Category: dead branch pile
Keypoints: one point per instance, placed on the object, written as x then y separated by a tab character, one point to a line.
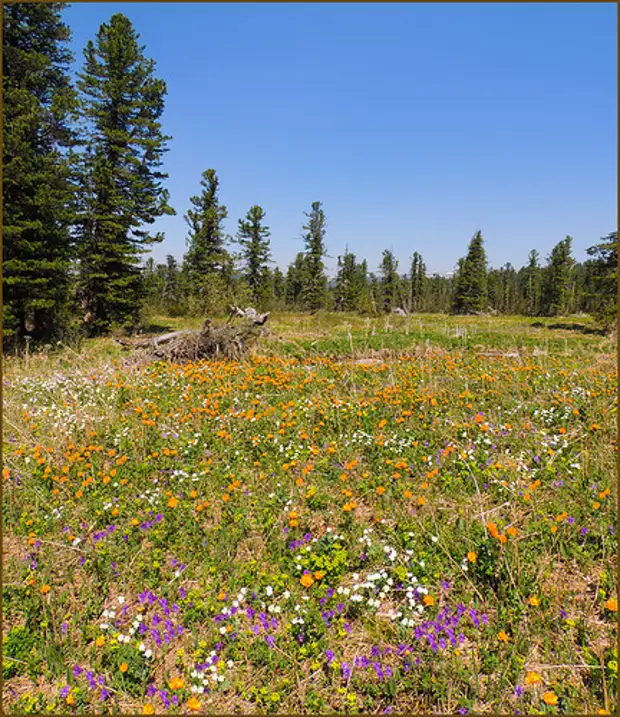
210	342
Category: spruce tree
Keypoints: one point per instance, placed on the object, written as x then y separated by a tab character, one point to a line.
315	281
347	289
389	280
207	262
417	281
171	294
122	191
253	237
531	285
556	279
295	279
604	279
470	293
38	104
279	285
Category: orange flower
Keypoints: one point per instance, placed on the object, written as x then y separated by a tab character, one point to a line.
100	641
492	528
503	636
511	531
612	604
173	502
532	678
45	589
534	601
421	500
193	704
472	557
70	699
408	494
176	683
123	667
319	575
550	698
306	580
148	709
429	600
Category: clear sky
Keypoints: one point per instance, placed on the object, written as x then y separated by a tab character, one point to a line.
414	124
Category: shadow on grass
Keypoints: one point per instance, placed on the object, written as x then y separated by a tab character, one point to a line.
581	328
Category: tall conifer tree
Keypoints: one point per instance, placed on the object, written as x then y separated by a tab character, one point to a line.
556	279
207	262
470	293
315	281
122	190
38	103
253	236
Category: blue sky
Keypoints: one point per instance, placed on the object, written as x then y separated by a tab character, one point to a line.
414	124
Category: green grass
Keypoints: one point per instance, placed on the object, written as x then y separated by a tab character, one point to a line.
452	472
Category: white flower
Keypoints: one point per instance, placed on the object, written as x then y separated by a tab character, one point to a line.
148	653
269	590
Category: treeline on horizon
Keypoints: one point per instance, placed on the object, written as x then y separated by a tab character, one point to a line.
82	181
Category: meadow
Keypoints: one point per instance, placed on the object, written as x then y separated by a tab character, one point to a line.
377	515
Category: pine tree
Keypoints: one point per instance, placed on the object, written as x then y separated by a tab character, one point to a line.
253	236
470	293
389	280
122	192
208	264
38	104
556	279
315	281
417	282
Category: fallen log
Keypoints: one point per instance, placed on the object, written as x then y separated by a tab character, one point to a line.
210	342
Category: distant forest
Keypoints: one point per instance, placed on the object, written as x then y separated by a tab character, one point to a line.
82	181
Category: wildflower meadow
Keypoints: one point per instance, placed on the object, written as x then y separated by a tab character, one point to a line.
404	514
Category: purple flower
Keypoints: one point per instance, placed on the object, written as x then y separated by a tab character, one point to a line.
584	531
329	655
518	691
65	691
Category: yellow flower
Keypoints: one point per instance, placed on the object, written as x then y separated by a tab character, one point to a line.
550	698
176	683
421	500
70	699
123	667
534	601
193	704
148	709
532	678
612	604
472	557
100	641
45	589
306	580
